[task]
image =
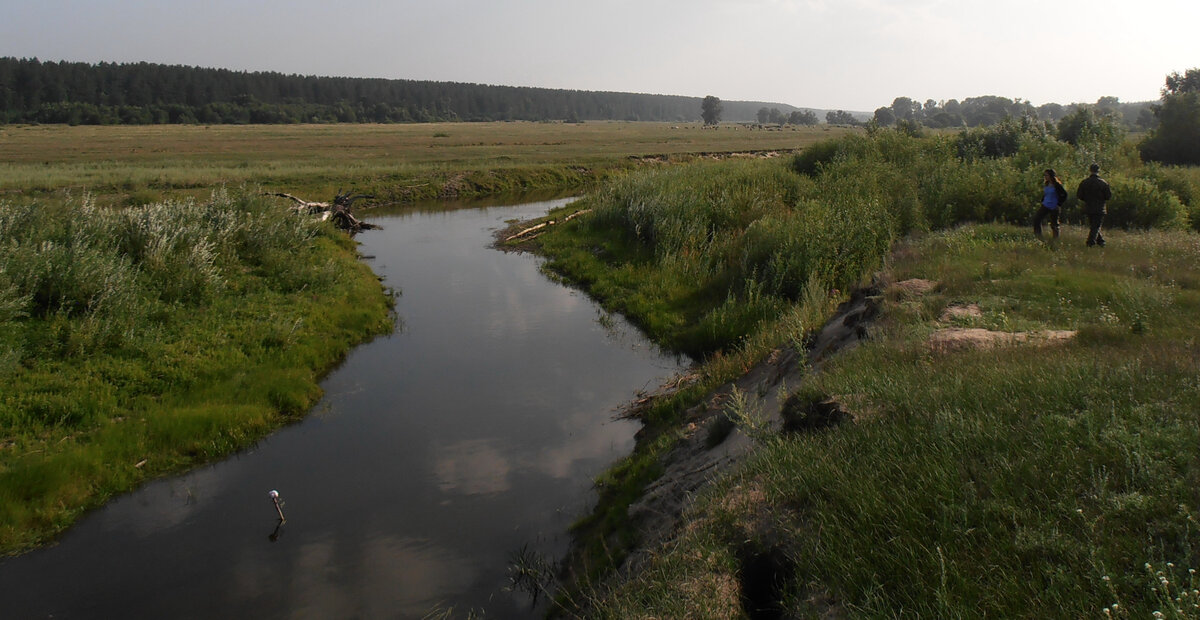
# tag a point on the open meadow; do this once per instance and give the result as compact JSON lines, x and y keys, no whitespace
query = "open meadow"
{"x":142,"y":164}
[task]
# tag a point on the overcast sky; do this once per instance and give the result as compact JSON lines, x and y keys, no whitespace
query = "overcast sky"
{"x":847,"y":54}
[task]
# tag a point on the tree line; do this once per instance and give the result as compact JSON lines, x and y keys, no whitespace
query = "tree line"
{"x":76,"y":93}
{"x":32,"y":91}
{"x":1171,"y":125}
{"x":989,"y":110}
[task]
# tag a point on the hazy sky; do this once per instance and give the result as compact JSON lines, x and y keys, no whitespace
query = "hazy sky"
{"x":848,"y":54}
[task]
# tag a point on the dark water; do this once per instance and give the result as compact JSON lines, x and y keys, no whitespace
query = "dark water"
{"x":436,"y":454}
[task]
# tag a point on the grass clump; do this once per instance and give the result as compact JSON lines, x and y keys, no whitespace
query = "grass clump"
{"x":165,"y":334}
{"x":700,"y":256}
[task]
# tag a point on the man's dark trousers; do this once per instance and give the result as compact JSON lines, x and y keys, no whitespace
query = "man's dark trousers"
{"x":1094,"y":236}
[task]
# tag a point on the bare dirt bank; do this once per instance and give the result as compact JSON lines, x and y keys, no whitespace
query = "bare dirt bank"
{"x":695,"y":460}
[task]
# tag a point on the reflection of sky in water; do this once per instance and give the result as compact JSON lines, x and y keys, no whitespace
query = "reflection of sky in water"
{"x":436,"y":453}
{"x":471,"y":467}
{"x":393,"y":577}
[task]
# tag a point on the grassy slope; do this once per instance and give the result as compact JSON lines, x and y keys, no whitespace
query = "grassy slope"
{"x":1025,"y":481}
{"x":89,"y":411}
{"x":987,"y":456}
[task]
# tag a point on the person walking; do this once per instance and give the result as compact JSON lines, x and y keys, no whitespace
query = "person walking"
{"x":1094,"y":192}
{"x":1053,"y":197}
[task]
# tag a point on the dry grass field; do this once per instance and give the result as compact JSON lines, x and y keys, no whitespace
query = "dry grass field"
{"x":139,"y":164}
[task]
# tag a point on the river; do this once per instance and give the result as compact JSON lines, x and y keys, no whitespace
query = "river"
{"x":436,"y":455}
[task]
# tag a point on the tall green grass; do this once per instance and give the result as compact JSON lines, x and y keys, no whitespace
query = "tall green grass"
{"x":165,"y":335}
{"x":1008,"y":482}
{"x":1011,"y":483}
{"x":700,"y":255}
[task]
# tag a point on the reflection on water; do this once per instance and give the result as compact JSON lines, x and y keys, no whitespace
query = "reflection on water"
{"x":471,"y":467}
{"x":437,"y":453}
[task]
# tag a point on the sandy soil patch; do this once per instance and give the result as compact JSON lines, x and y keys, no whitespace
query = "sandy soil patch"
{"x":959,"y":338}
{"x":914,"y":287}
{"x":968,"y":311}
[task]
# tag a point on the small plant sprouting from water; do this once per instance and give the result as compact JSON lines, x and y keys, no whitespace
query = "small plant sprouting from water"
{"x":530,"y":573}
{"x":607,"y":322}
{"x":449,"y":613}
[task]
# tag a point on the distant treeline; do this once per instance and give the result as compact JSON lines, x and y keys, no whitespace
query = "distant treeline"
{"x":989,"y":110}
{"x":75,"y":93}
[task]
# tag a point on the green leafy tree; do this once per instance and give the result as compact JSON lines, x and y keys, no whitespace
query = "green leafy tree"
{"x":905,"y":108}
{"x":1177,"y":138}
{"x":1087,"y":125}
{"x":1050,"y":111}
{"x":802,"y":118}
{"x":1146,"y":120}
{"x":840,"y":117}
{"x":763,"y":115}
{"x":1177,"y":84}
{"x":884,"y":117}
{"x":710,"y":110}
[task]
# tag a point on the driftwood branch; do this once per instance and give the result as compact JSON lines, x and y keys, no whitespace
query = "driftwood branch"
{"x":546,"y":224}
{"x":338,"y":210}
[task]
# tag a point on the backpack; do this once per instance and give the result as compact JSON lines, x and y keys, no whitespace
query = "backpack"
{"x":1061,"y":192}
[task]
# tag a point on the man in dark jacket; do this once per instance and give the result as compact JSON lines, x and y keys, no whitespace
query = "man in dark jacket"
{"x":1094,"y":192}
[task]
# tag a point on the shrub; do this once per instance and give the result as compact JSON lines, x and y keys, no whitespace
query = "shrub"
{"x":1137,"y":203}
{"x":812,"y":159}
{"x":1003,"y":139}
{"x":1183,"y":182}
{"x":688,"y":208}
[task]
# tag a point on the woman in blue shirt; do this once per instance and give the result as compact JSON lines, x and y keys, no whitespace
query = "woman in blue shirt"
{"x":1053,"y":196}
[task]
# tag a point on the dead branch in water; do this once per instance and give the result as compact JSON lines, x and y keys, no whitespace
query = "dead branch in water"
{"x":545,"y":224}
{"x":338,"y":210}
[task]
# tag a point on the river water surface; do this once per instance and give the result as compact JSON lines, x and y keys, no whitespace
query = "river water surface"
{"x":436,"y":454}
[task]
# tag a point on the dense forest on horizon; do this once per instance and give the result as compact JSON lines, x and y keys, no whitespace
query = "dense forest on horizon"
{"x":32,"y":91}
{"x":77,"y":93}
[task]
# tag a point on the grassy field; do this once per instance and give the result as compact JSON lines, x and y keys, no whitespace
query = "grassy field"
{"x":136,"y":165}
{"x":1014,"y":482}
{"x":1032,"y":480}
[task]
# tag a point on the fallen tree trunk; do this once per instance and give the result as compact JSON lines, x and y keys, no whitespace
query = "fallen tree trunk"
{"x":338,"y":210}
{"x":547,"y":223}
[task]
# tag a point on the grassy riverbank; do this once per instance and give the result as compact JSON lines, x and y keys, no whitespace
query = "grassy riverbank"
{"x":139,"y":341}
{"x":1017,"y":481}
{"x":1010,"y":482}
{"x":148,"y":324}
